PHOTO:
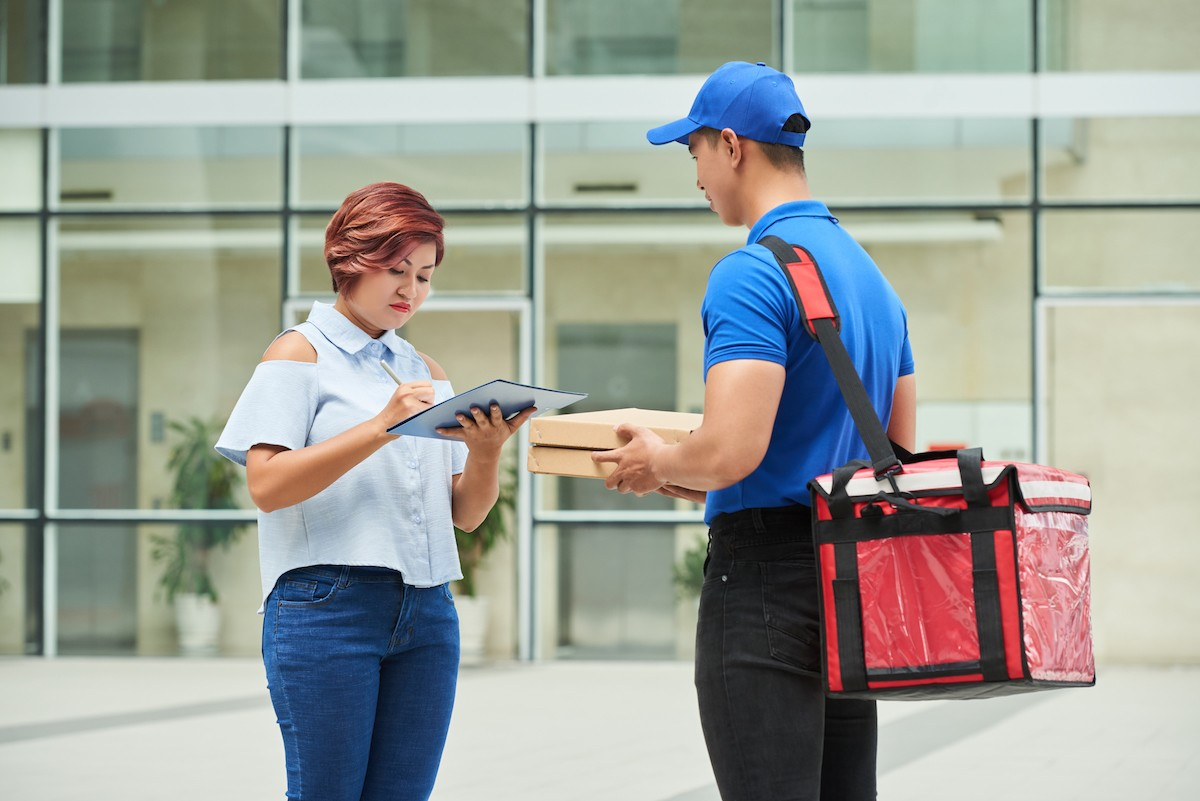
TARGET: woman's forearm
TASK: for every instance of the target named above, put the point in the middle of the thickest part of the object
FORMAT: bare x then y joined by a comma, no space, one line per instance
278,477
475,491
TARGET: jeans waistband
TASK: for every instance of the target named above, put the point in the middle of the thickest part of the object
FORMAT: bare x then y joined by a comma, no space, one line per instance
763,525
348,574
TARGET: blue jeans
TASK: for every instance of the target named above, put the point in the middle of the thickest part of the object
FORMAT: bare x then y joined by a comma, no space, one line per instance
770,731
362,671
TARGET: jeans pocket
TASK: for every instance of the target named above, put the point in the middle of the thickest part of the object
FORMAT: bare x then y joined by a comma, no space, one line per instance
300,587
792,618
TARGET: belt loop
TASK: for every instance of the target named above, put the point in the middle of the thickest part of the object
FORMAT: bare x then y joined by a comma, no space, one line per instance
344,579
756,517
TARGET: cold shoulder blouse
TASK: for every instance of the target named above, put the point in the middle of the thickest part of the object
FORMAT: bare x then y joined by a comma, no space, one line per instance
391,510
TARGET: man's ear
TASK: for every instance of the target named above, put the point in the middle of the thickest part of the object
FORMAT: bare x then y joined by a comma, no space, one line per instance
730,145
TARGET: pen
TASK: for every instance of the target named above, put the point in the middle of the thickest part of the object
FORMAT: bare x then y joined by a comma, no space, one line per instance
391,372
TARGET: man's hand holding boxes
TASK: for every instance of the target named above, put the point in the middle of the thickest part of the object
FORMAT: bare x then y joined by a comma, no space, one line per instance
562,445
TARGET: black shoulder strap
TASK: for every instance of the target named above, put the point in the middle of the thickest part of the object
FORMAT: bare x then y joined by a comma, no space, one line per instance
821,319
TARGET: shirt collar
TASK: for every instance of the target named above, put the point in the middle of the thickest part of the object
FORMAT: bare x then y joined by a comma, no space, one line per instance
795,208
345,334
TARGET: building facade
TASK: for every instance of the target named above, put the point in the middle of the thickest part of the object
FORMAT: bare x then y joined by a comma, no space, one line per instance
1025,172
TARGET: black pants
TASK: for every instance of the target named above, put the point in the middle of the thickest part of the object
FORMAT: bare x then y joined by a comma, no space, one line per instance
771,733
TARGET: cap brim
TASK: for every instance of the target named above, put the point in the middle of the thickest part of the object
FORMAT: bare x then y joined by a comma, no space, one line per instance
677,131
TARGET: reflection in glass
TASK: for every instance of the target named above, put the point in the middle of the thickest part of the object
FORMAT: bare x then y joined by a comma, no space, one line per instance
655,37
473,347
608,591
927,36
859,162
1121,158
1121,384
965,281
97,589
1120,37
20,169
20,363
919,160
162,318
176,167
485,254
22,41
612,281
1140,250
400,38
449,164
612,164
132,40
20,590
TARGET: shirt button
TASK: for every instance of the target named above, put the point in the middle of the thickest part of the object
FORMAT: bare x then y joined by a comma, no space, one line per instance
413,464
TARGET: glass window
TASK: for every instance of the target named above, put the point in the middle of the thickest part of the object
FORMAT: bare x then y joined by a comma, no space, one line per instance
966,282
172,167
656,37
449,164
864,162
132,40
612,164
484,254
1130,250
859,162
163,320
912,36
622,303
20,599
608,590
413,38
1121,158
1122,384
1120,37
22,41
118,594
20,169
491,350
20,348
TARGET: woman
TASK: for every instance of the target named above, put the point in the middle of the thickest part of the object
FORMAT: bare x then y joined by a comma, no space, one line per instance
356,539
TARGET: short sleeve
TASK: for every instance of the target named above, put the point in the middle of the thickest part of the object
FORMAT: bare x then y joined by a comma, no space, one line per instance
458,457
276,408
746,312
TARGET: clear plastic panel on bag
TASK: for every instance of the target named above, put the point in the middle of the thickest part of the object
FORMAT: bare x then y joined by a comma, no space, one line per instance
1055,576
921,608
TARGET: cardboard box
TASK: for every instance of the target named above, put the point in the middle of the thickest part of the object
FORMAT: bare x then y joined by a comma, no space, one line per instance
551,461
562,444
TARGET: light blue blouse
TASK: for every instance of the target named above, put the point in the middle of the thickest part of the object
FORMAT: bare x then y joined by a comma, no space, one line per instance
391,510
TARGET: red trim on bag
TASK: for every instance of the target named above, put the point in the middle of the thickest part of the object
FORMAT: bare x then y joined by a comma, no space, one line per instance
1010,602
833,667
968,677
815,303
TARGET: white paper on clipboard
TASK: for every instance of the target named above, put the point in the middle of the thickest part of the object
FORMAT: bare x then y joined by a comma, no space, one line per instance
511,396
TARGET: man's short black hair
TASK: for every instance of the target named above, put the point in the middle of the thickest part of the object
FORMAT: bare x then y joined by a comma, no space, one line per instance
785,157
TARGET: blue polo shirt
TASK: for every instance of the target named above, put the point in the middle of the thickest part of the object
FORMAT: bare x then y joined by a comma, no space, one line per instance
749,312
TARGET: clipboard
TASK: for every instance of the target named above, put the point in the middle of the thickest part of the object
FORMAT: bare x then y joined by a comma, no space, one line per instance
511,396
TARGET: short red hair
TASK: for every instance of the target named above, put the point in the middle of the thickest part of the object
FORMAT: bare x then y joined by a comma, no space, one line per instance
376,228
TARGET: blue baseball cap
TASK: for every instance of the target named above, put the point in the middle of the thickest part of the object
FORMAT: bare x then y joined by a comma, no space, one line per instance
753,100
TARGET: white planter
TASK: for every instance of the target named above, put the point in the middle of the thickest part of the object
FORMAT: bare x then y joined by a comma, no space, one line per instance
472,627
199,624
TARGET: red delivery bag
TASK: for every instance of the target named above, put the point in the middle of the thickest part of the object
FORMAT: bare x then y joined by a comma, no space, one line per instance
942,575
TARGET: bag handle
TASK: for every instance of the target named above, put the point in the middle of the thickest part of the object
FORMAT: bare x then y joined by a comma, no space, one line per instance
821,320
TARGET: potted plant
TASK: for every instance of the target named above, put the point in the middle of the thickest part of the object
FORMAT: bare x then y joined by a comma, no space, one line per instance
201,479
473,549
688,572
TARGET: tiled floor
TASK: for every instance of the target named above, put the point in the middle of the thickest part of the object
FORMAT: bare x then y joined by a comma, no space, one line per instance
133,729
